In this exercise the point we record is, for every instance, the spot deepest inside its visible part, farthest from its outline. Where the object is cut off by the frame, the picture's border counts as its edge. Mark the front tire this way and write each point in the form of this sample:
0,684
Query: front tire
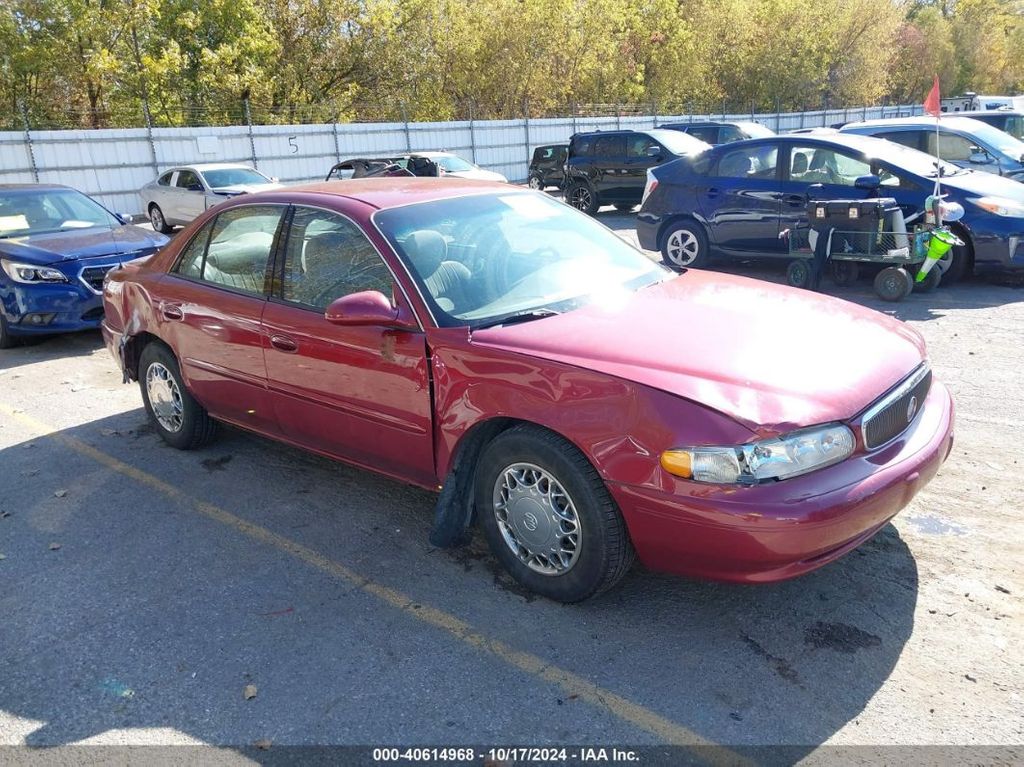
580,196
684,245
179,420
6,339
959,263
156,218
548,517
535,182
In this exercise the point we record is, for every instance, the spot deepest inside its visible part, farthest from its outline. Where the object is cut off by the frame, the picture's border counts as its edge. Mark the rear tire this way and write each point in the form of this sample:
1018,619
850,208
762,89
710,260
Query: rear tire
684,245
156,218
580,196
535,490
179,420
535,182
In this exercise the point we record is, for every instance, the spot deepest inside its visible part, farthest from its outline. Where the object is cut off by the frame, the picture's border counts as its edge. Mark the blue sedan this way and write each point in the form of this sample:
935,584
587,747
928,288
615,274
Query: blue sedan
736,199
56,246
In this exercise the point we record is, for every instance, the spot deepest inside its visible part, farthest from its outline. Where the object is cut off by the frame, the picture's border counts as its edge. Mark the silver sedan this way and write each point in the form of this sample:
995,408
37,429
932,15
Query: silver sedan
180,194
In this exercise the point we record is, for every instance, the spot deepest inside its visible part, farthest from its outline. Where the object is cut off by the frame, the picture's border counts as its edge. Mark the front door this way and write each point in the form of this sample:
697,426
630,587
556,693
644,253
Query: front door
741,199
835,170
190,196
211,305
358,393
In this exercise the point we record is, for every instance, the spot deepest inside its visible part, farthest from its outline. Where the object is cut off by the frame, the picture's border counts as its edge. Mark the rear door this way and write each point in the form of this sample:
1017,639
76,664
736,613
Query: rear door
209,311
741,198
358,393
609,169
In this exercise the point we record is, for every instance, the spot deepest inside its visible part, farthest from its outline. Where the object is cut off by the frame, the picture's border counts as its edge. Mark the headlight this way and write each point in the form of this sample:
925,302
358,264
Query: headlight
1001,206
781,458
30,274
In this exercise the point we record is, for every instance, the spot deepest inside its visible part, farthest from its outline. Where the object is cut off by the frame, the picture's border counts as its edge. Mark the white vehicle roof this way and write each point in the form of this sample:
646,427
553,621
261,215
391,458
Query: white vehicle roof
959,122
204,166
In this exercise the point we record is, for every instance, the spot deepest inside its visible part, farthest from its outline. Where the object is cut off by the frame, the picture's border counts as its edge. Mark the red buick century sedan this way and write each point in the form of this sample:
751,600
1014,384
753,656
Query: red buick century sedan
577,401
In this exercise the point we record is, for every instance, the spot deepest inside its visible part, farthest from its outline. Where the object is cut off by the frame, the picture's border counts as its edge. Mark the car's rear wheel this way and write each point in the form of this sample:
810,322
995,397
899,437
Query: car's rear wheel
179,420
684,245
156,218
548,517
535,182
583,198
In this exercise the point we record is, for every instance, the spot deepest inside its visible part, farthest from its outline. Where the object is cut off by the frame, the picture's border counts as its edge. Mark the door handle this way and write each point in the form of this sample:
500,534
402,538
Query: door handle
172,312
796,200
712,192
284,344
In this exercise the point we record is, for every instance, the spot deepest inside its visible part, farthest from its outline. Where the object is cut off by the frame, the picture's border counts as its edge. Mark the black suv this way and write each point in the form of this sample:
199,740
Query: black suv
547,168
722,132
610,167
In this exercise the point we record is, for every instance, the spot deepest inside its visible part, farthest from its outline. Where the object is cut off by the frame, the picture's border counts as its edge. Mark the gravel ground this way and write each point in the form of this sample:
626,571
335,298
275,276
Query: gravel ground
142,590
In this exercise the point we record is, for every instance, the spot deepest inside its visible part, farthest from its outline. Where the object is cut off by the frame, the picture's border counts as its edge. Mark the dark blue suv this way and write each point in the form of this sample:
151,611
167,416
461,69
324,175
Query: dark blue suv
736,199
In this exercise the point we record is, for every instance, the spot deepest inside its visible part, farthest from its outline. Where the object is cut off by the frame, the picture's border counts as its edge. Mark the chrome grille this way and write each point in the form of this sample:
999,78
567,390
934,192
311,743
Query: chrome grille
93,276
892,414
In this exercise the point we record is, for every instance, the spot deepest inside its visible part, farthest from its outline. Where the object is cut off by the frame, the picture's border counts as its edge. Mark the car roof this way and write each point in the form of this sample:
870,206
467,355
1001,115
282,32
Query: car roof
395,191
955,123
202,166
1003,112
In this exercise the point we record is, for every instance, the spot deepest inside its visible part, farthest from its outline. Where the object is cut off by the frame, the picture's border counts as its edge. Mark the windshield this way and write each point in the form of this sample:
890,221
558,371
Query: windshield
999,140
678,142
756,130
52,210
482,259
233,177
451,163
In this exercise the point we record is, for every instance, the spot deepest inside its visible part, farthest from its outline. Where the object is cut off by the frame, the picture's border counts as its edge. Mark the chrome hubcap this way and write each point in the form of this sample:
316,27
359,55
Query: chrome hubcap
156,218
537,519
534,182
164,397
581,198
682,247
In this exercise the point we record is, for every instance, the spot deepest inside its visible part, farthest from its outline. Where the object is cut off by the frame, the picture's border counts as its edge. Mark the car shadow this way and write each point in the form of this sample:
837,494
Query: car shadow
33,349
150,614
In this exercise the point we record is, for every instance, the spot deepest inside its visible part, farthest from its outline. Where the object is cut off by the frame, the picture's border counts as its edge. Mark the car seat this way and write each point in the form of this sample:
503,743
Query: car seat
446,281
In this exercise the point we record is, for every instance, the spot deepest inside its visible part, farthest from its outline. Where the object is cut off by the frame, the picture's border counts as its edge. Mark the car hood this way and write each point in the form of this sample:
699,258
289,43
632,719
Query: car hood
773,358
980,184
245,188
82,243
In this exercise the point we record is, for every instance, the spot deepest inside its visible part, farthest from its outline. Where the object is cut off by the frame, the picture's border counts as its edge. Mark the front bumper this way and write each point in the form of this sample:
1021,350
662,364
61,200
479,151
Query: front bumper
780,530
65,307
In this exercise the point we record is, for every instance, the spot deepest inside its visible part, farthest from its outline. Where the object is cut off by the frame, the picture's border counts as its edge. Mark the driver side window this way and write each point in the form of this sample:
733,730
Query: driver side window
328,257
824,165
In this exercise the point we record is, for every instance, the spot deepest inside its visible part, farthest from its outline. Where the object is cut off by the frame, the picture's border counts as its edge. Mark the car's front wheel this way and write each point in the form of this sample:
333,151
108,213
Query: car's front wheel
156,218
6,339
684,245
957,263
583,198
535,182
548,517
180,420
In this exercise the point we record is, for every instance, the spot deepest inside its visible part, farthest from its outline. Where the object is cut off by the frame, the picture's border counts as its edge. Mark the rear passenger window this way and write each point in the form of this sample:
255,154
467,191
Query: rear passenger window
750,162
707,134
328,257
233,250
905,137
609,147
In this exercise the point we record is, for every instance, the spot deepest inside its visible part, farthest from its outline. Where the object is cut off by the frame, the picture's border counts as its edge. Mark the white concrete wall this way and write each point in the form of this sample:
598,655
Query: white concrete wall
113,164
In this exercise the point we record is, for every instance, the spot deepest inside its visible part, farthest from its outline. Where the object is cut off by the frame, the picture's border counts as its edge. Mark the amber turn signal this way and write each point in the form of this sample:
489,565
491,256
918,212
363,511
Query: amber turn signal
678,462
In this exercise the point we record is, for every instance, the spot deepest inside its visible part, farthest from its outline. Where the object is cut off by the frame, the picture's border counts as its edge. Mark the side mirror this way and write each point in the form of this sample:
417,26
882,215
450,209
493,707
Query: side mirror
124,218
368,307
979,157
869,182
195,188
654,152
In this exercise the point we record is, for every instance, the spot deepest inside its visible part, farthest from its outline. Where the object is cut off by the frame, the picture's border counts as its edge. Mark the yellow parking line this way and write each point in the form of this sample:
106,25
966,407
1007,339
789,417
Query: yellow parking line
667,731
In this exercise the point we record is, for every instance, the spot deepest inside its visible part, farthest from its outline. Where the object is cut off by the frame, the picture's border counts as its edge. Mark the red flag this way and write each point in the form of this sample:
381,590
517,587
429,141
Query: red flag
932,104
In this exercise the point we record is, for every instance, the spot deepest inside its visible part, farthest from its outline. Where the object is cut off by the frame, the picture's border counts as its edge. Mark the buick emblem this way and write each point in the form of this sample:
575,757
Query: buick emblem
911,409
529,521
